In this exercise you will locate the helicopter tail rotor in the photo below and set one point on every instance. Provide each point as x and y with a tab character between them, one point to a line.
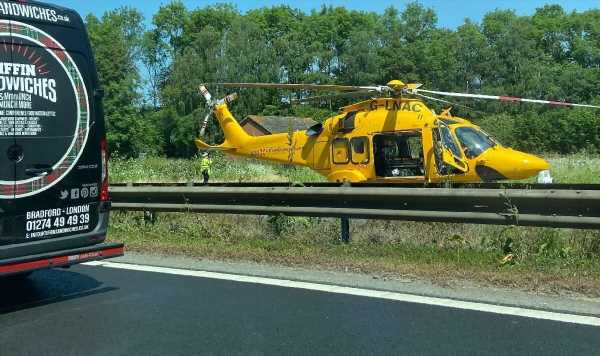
211	105
209	98
206	94
205	124
209	102
228	99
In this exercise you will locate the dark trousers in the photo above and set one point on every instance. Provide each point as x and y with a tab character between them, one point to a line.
206	176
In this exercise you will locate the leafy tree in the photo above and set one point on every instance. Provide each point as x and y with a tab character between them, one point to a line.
550	55
115	40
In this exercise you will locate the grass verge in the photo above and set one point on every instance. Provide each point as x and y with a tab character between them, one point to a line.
542	260
578	168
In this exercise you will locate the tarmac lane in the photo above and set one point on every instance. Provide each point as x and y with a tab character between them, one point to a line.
99	310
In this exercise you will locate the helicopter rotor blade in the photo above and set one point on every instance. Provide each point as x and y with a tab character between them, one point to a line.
228	99
445	101
310	87
353	94
205	124
510	99
206	94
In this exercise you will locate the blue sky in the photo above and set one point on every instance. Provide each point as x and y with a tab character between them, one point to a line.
451	13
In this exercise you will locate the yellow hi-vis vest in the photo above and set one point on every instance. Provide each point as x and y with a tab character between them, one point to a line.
205	164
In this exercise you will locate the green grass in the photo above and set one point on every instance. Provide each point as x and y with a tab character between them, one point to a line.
553	248
225	169
548	260
579	168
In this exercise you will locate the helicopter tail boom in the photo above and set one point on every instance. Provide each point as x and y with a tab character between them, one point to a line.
203	146
235	135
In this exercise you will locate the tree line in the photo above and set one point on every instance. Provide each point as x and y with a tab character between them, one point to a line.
151	73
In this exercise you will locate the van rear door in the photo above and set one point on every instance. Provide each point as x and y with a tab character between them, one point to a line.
57	179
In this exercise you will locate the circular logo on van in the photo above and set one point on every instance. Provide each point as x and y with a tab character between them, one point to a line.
44	110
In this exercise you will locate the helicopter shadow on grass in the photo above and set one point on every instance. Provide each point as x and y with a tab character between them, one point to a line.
47	287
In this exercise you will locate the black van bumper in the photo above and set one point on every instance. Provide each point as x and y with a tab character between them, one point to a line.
60	251
63	258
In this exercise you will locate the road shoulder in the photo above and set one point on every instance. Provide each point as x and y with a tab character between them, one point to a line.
574	304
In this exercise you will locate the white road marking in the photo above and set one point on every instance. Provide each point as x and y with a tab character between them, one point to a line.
401	297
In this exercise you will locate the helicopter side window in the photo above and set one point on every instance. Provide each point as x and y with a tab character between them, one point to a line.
341	151
360	150
473	141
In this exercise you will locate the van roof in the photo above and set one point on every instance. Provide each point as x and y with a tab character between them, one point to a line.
22	10
44	4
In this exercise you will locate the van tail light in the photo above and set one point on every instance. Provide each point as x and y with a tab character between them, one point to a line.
104	185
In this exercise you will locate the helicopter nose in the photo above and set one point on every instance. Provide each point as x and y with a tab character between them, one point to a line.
531	166
511	164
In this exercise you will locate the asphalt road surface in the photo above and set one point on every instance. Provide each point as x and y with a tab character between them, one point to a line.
103	311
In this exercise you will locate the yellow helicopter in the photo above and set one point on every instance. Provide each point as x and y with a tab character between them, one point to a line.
391	137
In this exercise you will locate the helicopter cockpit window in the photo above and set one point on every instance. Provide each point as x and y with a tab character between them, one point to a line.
449	142
473	141
449	121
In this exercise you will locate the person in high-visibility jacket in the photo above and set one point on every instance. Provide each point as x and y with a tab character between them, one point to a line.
205	166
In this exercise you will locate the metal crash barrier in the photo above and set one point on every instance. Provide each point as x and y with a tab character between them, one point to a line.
558	208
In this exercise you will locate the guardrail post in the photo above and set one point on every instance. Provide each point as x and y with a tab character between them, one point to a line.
149	217
345	230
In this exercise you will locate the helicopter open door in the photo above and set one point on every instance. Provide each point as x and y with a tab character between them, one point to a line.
399	155
448	155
